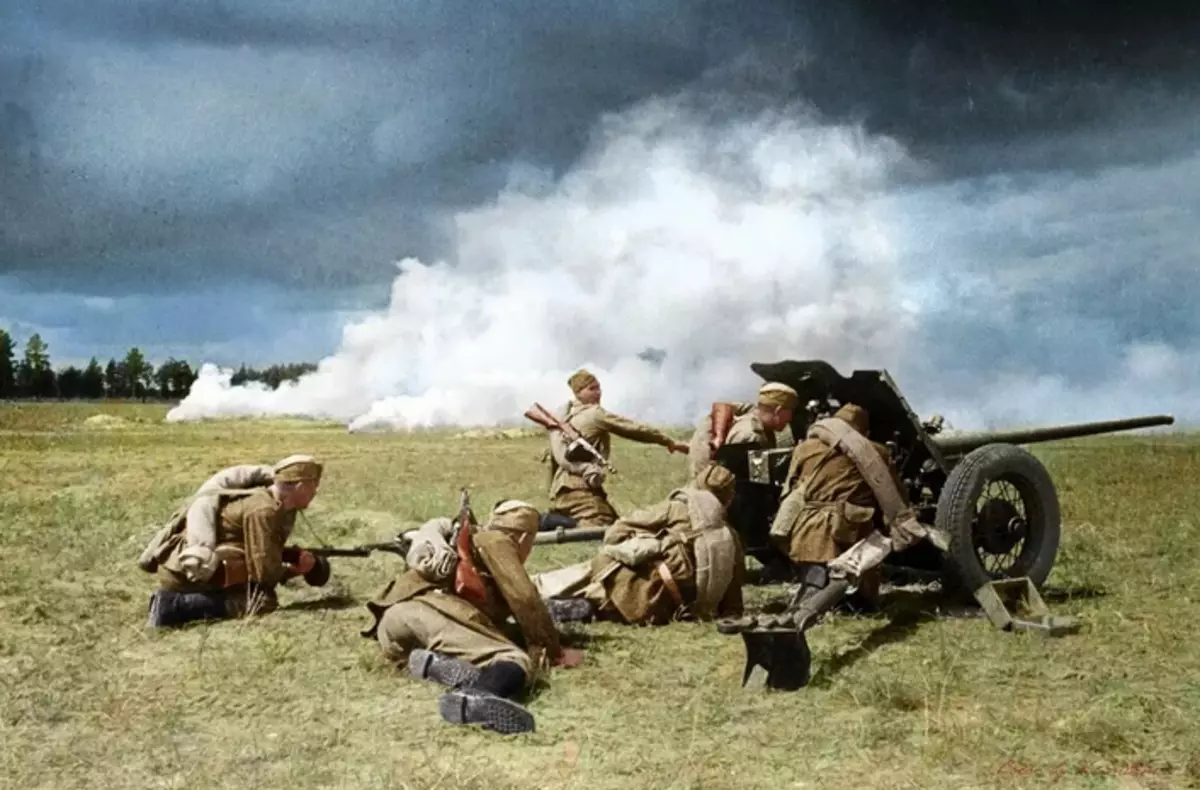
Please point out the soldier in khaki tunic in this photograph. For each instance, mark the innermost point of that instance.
(251, 521)
(742, 423)
(829, 505)
(447, 620)
(577, 483)
(678, 559)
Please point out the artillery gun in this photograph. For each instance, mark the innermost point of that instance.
(992, 500)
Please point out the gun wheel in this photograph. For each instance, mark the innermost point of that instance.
(1000, 509)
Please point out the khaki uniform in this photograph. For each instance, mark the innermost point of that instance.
(412, 612)
(827, 505)
(688, 563)
(252, 529)
(571, 493)
(746, 428)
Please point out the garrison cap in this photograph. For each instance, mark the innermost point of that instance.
(717, 479)
(297, 468)
(775, 394)
(580, 380)
(855, 415)
(515, 517)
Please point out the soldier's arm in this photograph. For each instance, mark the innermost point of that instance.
(648, 520)
(633, 430)
(264, 547)
(522, 597)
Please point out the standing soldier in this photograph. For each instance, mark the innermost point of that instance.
(445, 617)
(742, 423)
(841, 487)
(577, 483)
(678, 559)
(225, 553)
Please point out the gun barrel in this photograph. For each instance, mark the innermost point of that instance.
(575, 535)
(959, 443)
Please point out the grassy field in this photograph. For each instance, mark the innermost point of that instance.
(299, 700)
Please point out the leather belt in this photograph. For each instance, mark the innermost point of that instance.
(669, 583)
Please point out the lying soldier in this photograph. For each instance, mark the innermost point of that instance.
(223, 554)
(678, 559)
(445, 616)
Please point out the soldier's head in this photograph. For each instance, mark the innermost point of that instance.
(717, 479)
(776, 404)
(297, 478)
(856, 416)
(518, 520)
(585, 386)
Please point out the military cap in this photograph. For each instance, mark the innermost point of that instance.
(855, 415)
(515, 517)
(580, 380)
(775, 394)
(717, 479)
(297, 468)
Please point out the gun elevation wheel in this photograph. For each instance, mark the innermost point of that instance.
(1000, 509)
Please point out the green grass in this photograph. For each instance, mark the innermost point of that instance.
(299, 700)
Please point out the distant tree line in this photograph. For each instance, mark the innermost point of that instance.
(32, 376)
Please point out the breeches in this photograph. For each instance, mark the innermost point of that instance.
(410, 625)
(589, 508)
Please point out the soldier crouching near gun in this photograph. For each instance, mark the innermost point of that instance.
(678, 559)
(742, 423)
(443, 617)
(222, 555)
(839, 489)
(577, 494)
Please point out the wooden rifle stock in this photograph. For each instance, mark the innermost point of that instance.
(722, 421)
(539, 414)
(467, 581)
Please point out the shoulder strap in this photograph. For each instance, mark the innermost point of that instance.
(840, 434)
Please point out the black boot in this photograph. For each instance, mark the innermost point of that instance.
(570, 610)
(447, 670)
(552, 521)
(486, 701)
(169, 609)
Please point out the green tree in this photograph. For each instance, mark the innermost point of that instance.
(70, 382)
(35, 377)
(92, 384)
(114, 379)
(8, 365)
(139, 374)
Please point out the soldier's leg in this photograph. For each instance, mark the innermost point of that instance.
(485, 672)
(588, 508)
(434, 647)
(171, 609)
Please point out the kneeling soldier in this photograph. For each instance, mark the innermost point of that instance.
(678, 559)
(223, 554)
(444, 617)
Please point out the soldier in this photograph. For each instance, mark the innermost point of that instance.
(832, 499)
(223, 555)
(577, 483)
(444, 617)
(678, 559)
(742, 423)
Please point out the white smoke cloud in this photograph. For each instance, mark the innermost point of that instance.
(718, 241)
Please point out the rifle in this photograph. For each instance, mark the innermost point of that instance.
(467, 581)
(397, 545)
(576, 535)
(538, 413)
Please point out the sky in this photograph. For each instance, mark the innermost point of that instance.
(996, 202)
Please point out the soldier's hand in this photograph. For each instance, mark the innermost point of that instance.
(677, 447)
(594, 479)
(569, 658)
(305, 562)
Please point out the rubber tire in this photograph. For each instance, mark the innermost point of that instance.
(956, 510)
